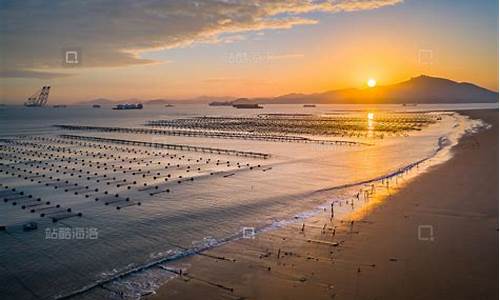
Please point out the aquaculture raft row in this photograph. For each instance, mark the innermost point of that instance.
(169, 146)
(96, 171)
(324, 125)
(211, 134)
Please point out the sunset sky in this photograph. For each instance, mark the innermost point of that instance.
(183, 49)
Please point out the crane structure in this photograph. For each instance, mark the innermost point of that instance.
(38, 99)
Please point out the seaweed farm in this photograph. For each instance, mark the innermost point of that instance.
(111, 198)
(339, 125)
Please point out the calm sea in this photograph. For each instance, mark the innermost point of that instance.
(105, 242)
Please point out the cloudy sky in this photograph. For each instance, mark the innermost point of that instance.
(181, 49)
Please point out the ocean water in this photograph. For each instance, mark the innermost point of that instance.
(120, 249)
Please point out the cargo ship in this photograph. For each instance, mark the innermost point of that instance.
(248, 106)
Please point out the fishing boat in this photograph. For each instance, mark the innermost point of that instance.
(30, 226)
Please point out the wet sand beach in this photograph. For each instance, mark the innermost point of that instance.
(433, 237)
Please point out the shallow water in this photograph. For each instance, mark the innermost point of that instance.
(297, 179)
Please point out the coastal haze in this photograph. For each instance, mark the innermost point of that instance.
(249, 149)
(421, 89)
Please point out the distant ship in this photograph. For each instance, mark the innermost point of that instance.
(30, 226)
(248, 106)
(59, 106)
(128, 106)
(38, 99)
(96, 106)
(309, 105)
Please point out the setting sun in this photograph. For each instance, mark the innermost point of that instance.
(371, 82)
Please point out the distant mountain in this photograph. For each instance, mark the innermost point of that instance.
(206, 99)
(157, 101)
(421, 89)
(100, 101)
(233, 102)
(201, 99)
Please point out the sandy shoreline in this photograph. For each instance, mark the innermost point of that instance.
(380, 255)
